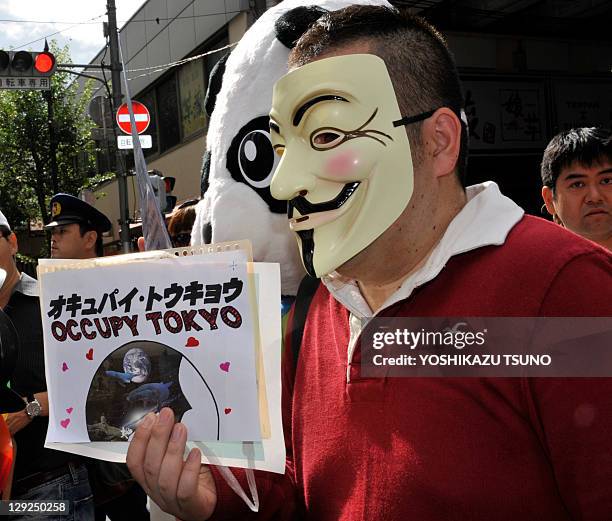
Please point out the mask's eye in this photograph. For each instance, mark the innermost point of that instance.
(256, 158)
(325, 139)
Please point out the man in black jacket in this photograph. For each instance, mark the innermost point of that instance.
(40, 474)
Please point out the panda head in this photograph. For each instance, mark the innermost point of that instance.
(239, 161)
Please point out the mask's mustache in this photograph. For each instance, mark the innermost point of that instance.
(305, 207)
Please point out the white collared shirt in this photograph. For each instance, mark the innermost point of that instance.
(27, 285)
(485, 220)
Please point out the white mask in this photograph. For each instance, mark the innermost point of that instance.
(346, 167)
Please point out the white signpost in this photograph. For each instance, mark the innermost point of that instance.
(126, 142)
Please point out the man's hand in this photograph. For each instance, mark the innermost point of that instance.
(185, 489)
(17, 421)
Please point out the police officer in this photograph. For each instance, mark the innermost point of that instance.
(76, 228)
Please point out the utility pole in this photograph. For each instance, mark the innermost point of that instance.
(116, 68)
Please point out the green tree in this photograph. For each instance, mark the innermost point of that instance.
(26, 180)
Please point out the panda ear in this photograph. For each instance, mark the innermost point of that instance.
(214, 85)
(293, 24)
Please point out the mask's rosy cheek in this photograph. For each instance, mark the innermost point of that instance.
(342, 165)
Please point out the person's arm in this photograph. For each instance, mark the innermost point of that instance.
(573, 416)
(278, 493)
(20, 419)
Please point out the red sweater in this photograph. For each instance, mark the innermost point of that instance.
(432, 449)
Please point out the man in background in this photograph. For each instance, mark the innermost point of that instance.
(577, 177)
(76, 228)
(40, 474)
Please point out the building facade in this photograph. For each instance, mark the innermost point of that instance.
(530, 68)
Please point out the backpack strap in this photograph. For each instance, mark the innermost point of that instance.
(307, 289)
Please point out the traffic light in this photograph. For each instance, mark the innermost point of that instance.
(162, 186)
(26, 70)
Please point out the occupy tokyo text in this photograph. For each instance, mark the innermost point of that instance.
(83, 311)
(171, 321)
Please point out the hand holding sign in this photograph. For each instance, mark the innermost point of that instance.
(165, 477)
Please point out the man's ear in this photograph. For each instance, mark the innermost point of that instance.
(14, 245)
(547, 195)
(442, 135)
(90, 239)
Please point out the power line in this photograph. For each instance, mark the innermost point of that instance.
(154, 69)
(156, 19)
(53, 34)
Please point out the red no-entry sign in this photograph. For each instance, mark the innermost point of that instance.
(141, 115)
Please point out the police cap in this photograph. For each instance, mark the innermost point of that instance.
(67, 209)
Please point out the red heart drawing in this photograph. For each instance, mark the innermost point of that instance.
(64, 367)
(228, 410)
(69, 410)
(89, 354)
(225, 366)
(64, 423)
(192, 342)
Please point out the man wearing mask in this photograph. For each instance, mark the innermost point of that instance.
(369, 126)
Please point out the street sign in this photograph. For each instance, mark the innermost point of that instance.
(25, 82)
(141, 116)
(126, 142)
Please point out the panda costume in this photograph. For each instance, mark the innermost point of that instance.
(239, 161)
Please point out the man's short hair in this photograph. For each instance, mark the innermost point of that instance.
(84, 228)
(587, 146)
(421, 66)
(5, 231)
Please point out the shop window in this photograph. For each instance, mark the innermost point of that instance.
(192, 89)
(168, 114)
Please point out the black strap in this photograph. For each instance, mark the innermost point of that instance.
(408, 120)
(307, 289)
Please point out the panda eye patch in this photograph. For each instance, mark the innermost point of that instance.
(256, 158)
(252, 160)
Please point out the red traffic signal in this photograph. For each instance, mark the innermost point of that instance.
(44, 62)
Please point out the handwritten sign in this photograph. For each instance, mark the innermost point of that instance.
(125, 340)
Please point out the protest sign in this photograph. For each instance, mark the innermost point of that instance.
(126, 338)
(267, 454)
